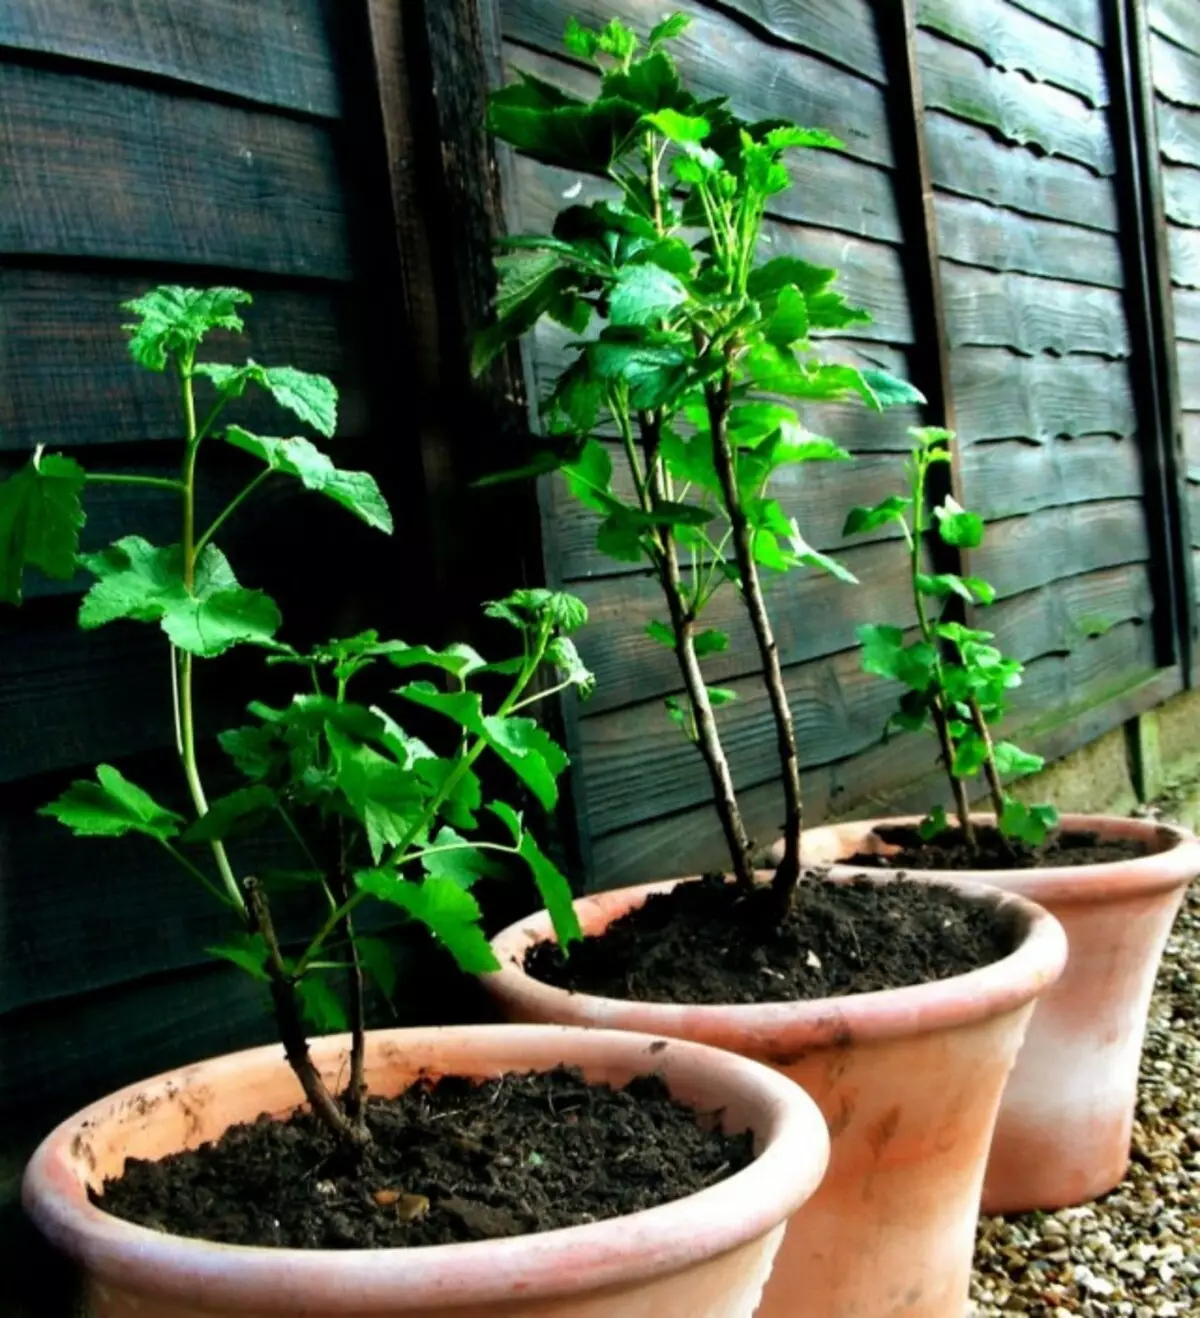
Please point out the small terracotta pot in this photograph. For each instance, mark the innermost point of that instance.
(908, 1080)
(1064, 1130)
(706, 1256)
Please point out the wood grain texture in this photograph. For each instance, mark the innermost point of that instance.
(1032, 315)
(1184, 247)
(1176, 20)
(721, 57)
(1189, 375)
(845, 34)
(1179, 133)
(1010, 478)
(974, 234)
(1003, 396)
(1018, 42)
(1190, 428)
(1181, 194)
(1082, 17)
(1176, 71)
(96, 168)
(62, 349)
(968, 160)
(1028, 114)
(279, 53)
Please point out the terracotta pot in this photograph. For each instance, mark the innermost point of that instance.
(908, 1080)
(706, 1256)
(1064, 1130)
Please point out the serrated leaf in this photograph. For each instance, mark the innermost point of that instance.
(529, 609)
(461, 862)
(532, 754)
(41, 515)
(589, 477)
(644, 295)
(881, 649)
(970, 755)
(356, 491)
(788, 322)
(1029, 824)
(669, 29)
(555, 892)
(112, 806)
(466, 795)
(320, 1005)
(653, 373)
(1012, 760)
(386, 797)
(173, 321)
(143, 583)
(458, 659)
(248, 952)
(890, 391)
(708, 643)
(789, 271)
(564, 655)
(792, 136)
(679, 128)
(230, 814)
(254, 749)
(449, 912)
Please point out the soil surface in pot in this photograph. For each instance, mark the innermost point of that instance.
(993, 851)
(450, 1162)
(707, 942)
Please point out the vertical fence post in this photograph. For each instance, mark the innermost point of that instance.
(1152, 323)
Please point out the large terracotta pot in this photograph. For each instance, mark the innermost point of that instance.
(706, 1256)
(1064, 1130)
(908, 1080)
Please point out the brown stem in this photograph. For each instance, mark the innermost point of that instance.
(787, 876)
(961, 804)
(291, 1028)
(991, 773)
(356, 1093)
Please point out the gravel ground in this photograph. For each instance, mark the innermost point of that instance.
(1137, 1251)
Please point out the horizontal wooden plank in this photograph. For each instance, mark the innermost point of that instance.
(1082, 17)
(1002, 396)
(846, 35)
(721, 57)
(1017, 41)
(1011, 478)
(1189, 375)
(1184, 246)
(1193, 496)
(1191, 444)
(1023, 553)
(1179, 133)
(1032, 315)
(974, 234)
(1028, 114)
(1176, 19)
(1176, 72)
(1181, 194)
(277, 54)
(62, 348)
(1187, 314)
(96, 168)
(968, 160)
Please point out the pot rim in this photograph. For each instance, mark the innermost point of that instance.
(792, 1158)
(1176, 863)
(780, 1032)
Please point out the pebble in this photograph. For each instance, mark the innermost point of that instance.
(1136, 1252)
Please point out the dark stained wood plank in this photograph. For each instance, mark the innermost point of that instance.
(721, 57)
(102, 169)
(1010, 478)
(1190, 429)
(1083, 17)
(1181, 194)
(974, 234)
(1014, 40)
(1179, 133)
(1193, 498)
(1025, 552)
(968, 160)
(1176, 20)
(1184, 246)
(1176, 71)
(1003, 396)
(1026, 113)
(845, 35)
(279, 54)
(1032, 315)
(62, 349)
(1189, 375)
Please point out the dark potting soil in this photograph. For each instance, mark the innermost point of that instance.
(708, 942)
(453, 1161)
(950, 851)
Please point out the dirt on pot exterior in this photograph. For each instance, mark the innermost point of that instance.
(1136, 1252)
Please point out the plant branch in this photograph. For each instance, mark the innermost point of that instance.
(148, 482)
(196, 872)
(234, 504)
(990, 771)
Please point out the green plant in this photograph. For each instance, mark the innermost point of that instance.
(683, 347)
(957, 681)
(375, 814)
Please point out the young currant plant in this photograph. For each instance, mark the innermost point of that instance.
(958, 682)
(684, 347)
(374, 814)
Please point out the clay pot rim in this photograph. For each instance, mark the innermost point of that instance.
(782, 1031)
(794, 1152)
(1176, 862)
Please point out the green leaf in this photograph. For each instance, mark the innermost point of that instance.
(707, 643)
(41, 515)
(532, 286)
(247, 951)
(255, 750)
(1012, 760)
(376, 959)
(172, 321)
(385, 796)
(660, 632)
(229, 814)
(140, 582)
(941, 585)
(528, 610)
(551, 883)
(720, 695)
(589, 477)
(669, 29)
(983, 591)
(810, 557)
(788, 322)
(970, 755)
(313, 398)
(463, 863)
(889, 391)
(558, 129)
(654, 373)
(354, 490)
(448, 911)
(958, 527)
(565, 657)
(1029, 824)
(532, 754)
(934, 824)
(111, 806)
(680, 128)
(320, 1006)
(466, 796)
(644, 295)
(792, 136)
(458, 659)
(881, 649)
(789, 271)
